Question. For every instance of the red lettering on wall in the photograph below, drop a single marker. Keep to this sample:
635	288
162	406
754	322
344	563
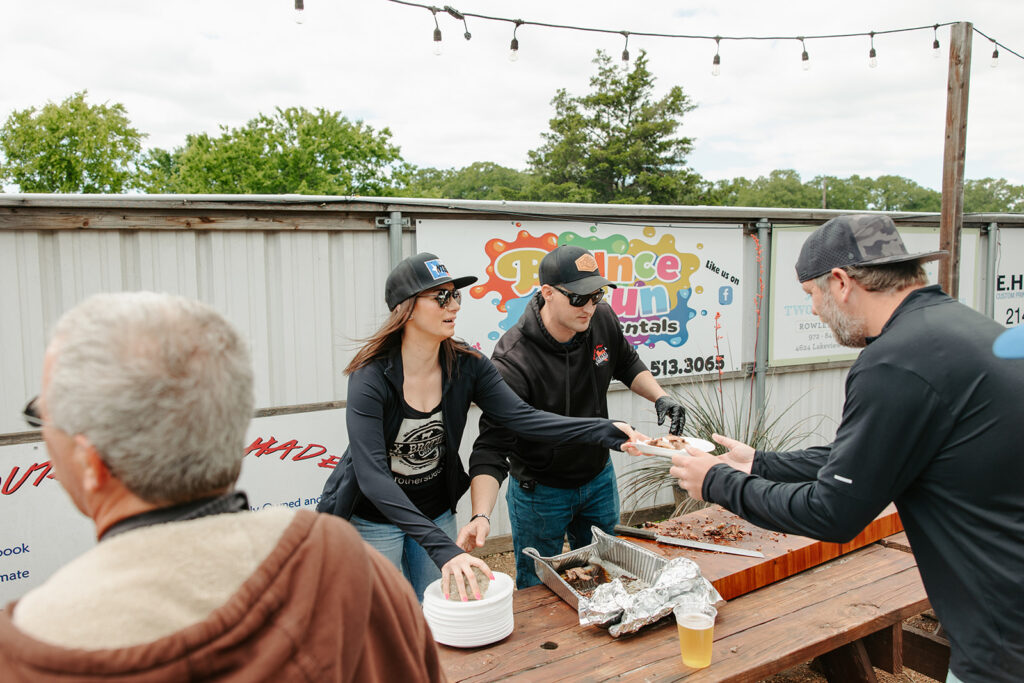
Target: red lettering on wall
8	489
330	462
260	446
287	447
303	456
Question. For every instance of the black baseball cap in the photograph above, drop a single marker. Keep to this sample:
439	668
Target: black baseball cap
418	274
855	240
573	268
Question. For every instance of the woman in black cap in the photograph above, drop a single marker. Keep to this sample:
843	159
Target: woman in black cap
409	391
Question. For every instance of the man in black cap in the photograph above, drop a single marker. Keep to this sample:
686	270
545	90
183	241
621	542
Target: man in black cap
932	421
560	356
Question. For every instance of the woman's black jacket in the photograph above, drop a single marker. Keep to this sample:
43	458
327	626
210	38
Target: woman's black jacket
374	415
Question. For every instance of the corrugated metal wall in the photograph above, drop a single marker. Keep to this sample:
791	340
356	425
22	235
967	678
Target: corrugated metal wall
299	297
301	286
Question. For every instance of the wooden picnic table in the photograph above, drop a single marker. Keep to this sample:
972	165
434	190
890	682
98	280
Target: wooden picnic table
848	612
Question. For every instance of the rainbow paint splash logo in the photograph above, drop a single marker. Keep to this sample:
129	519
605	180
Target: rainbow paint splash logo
653	280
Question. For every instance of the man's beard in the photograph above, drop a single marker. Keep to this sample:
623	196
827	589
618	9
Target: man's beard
848	330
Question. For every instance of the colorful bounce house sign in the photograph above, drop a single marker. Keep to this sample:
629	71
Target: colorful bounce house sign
678	294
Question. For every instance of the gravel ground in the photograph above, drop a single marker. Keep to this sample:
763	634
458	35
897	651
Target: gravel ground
505	563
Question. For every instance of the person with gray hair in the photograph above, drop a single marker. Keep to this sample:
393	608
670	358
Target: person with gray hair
932	421
145	402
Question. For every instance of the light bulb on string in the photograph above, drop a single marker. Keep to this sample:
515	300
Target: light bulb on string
437	33
461	17
872	55
935	43
716	62
299	11
805	59
995	55
513	48
625	50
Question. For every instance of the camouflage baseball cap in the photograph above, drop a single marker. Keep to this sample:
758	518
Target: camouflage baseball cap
857	240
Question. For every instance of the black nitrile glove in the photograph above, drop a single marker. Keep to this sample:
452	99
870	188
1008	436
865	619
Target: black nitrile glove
670	407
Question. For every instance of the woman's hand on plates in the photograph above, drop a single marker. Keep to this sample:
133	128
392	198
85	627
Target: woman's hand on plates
461	566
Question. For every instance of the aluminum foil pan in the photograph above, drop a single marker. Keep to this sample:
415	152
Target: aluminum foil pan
640	562
662	584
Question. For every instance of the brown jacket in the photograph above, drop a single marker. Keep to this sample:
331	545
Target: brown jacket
322	606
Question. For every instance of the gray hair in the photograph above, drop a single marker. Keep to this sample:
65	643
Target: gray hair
161	385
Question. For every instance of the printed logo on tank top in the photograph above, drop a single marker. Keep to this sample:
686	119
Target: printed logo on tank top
600	355
418	451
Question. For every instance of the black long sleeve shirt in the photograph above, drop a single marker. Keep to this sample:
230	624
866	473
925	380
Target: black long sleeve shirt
935	422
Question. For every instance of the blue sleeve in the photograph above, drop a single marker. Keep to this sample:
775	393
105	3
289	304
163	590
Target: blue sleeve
364	416
893	424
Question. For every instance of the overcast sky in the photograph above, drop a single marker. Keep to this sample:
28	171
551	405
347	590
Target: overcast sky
189	66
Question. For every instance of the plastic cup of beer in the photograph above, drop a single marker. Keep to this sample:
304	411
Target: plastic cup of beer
696	624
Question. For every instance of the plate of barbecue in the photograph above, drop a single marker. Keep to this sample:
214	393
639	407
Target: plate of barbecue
672	444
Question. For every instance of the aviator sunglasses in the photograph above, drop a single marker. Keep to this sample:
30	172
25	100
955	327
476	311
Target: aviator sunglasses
443	296
580	300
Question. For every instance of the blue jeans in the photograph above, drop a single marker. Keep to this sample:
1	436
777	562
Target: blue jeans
543	517
403	550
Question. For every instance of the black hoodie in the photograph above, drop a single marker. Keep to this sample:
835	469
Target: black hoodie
568	379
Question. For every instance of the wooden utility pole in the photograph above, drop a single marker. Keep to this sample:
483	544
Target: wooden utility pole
955	152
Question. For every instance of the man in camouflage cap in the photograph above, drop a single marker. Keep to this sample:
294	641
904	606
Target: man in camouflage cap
932	421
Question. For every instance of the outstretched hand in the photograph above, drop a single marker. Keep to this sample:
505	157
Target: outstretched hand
739	455
691	467
473	535
633	435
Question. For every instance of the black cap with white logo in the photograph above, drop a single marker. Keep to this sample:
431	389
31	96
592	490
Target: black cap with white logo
418	274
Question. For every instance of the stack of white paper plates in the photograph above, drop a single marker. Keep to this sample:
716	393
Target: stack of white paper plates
472	623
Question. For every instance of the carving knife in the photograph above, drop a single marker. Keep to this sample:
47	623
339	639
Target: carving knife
624	530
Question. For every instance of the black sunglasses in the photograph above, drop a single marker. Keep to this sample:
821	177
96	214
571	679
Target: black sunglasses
31	414
443	296
580	300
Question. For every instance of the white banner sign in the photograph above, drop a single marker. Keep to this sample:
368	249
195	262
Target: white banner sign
287	461
798	336
1009	279
679	290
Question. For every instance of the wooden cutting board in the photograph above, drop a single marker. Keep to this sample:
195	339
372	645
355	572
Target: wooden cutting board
784	554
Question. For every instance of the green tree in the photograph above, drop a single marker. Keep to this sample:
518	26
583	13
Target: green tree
780	188
479	180
990	195
295	151
616	143
852	194
70	147
896	193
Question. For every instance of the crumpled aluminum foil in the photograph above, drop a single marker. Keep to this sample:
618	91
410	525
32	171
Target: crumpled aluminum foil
679	582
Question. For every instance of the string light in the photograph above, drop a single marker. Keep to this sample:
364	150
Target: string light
995	55
935	43
716	62
437	33
804	57
625	50
872	55
459	15
299	7
513	51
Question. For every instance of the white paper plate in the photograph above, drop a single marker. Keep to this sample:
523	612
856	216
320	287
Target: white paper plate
699	444
473	623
